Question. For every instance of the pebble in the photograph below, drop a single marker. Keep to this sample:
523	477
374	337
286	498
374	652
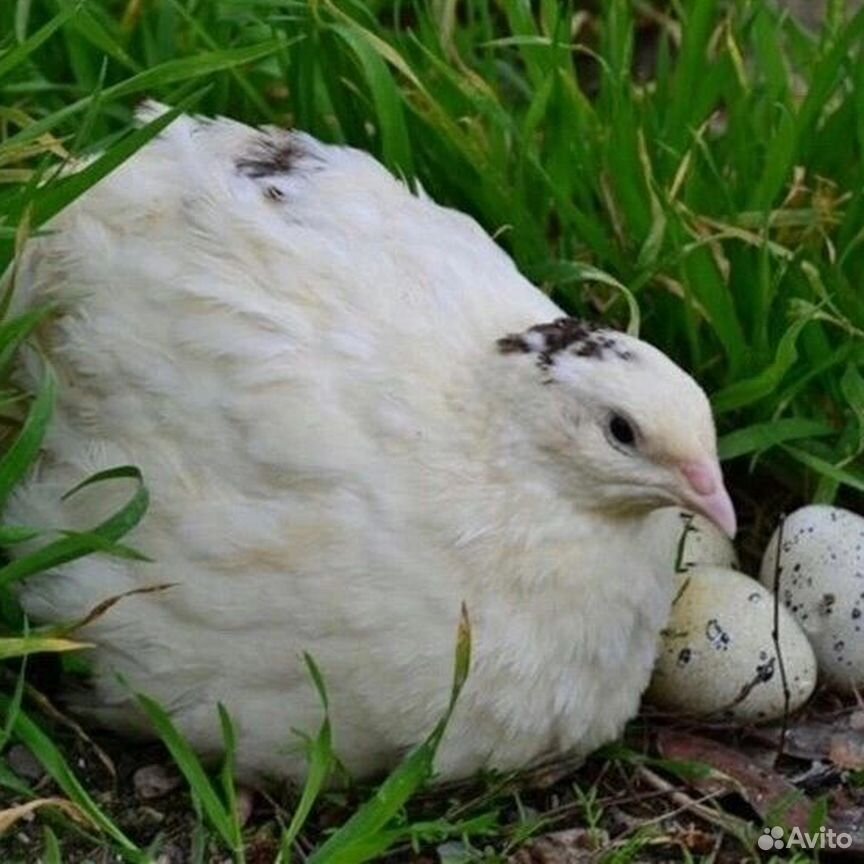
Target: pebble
154	781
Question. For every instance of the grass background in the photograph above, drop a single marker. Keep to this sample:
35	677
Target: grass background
691	167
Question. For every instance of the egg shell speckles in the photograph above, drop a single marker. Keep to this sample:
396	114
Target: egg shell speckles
703	543
718	656
821	582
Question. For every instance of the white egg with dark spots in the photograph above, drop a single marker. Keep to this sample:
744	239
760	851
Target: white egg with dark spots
700	540
819	576
718	656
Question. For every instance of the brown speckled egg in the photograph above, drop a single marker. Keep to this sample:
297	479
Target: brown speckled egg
718	657
819	576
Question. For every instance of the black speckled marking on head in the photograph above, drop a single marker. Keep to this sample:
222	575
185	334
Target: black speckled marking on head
269	156
574	335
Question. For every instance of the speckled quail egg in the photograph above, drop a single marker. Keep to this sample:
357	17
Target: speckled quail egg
702	542
718	656
819	576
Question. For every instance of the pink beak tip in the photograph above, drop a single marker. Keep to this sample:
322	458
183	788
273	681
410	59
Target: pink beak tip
709	497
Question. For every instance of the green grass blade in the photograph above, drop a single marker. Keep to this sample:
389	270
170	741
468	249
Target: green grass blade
847	476
395	146
49	755
365	835
17	55
227	779
762	436
190	766
60	194
321	761
24	449
24	646
14	332
765	383
51	853
168	73
75	546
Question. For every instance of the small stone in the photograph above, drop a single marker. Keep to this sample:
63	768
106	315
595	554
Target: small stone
154	781
245	804
571	846
24	763
171	854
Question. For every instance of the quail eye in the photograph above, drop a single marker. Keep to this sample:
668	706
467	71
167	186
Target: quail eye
621	430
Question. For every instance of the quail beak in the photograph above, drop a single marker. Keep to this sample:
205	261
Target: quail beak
705	493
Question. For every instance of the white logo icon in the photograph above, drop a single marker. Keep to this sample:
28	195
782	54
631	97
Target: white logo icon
772	838
824	838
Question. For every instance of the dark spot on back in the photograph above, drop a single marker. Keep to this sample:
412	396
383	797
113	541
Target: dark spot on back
270	155
274	193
